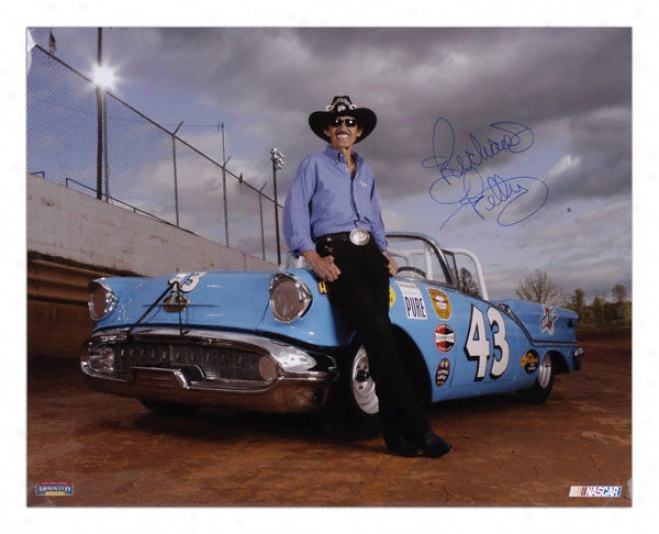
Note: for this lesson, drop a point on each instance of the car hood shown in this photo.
(228, 299)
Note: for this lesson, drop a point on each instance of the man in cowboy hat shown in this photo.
(332, 218)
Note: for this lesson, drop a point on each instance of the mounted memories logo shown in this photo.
(54, 489)
(596, 491)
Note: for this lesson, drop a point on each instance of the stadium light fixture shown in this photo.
(104, 76)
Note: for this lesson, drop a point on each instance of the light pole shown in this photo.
(100, 97)
(277, 159)
(261, 218)
(224, 190)
(175, 171)
(104, 78)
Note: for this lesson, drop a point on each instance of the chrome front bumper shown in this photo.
(208, 369)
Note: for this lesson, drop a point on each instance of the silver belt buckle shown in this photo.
(359, 237)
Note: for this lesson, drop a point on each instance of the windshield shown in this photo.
(418, 257)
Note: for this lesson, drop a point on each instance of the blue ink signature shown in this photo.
(461, 183)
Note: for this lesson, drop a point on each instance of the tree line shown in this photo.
(538, 287)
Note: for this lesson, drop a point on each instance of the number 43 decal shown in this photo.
(485, 341)
(187, 281)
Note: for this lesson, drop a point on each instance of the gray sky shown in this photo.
(567, 89)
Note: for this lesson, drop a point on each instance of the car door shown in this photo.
(489, 348)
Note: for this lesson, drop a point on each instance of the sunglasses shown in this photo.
(350, 123)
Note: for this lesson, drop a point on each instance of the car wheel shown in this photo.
(362, 384)
(541, 388)
(169, 408)
(352, 408)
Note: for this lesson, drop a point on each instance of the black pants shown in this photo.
(362, 292)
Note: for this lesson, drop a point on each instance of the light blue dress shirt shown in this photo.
(325, 199)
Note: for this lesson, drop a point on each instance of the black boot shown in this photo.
(402, 446)
(434, 446)
(430, 445)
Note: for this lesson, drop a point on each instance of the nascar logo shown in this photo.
(596, 491)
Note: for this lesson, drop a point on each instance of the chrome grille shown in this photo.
(223, 363)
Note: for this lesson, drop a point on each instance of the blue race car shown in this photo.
(272, 342)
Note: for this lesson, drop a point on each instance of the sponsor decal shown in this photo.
(443, 372)
(322, 287)
(596, 491)
(440, 303)
(415, 306)
(530, 362)
(54, 489)
(444, 337)
(548, 320)
(392, 297)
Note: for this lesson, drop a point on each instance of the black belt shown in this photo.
(357, 237)
(341, 237)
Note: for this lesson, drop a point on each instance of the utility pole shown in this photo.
(277, 159)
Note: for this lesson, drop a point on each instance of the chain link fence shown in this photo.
(137, 163)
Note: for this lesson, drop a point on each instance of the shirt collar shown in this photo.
(336, 155)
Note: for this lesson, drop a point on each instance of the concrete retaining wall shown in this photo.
(68, 224)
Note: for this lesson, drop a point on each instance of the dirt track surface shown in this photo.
(116, 453)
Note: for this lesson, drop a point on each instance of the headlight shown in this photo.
(290, 298)
(101, 358)
(101, 300)
(294, 360)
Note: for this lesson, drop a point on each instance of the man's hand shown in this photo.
(392, 265)
(325, 267)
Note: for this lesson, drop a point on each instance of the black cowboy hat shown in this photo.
(342, 105)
